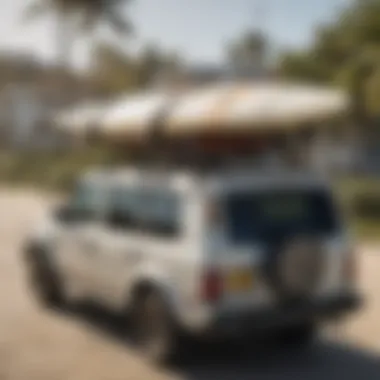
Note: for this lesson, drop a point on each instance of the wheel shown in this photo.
(153, 328)
(299, 335)
(45, 281)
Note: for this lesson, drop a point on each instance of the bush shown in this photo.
(54, 170)
(360, 199)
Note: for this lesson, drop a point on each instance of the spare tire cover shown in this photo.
(297, 268)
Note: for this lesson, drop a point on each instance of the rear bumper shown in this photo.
(267, 319)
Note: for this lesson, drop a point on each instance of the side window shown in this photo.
(149, 211)
(160, 213)
(123, 208)
(86, 201)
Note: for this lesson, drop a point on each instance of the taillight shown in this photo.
(212, 286)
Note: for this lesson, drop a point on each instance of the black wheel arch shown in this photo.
(37, 253)
(34, 250)
(145, 287)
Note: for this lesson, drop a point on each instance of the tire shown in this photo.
(45, 282)
(154, 331)
(300, 335)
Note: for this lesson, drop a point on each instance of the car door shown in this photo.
(118, 244)
(76, 245)
(166, 244)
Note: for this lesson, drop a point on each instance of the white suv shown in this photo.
(220, 254)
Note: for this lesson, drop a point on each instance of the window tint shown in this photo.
(160, 212)
(123, 208)
(152, 211)
(279, 214)
(86, 201)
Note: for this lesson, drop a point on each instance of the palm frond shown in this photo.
(91, 13)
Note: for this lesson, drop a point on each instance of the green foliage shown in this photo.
(302, 66)
(53, 170)
(116, 72)
(360, 200)
(76, 17)
(87, 13)
(345, 52)
(113, 70)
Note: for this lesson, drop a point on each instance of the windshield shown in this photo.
(265, 216)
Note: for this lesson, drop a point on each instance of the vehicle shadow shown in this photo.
(323, 360)
(327, 360)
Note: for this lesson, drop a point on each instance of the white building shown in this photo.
(25, 118)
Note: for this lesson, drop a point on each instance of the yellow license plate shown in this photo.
(240, 280)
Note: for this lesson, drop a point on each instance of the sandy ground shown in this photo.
(36, 344)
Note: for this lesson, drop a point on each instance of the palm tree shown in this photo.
(79, 16)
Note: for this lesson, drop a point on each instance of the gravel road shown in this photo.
(36, 344)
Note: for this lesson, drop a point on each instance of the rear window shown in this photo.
(264, 216)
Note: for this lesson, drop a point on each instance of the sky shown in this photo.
(199, 30)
